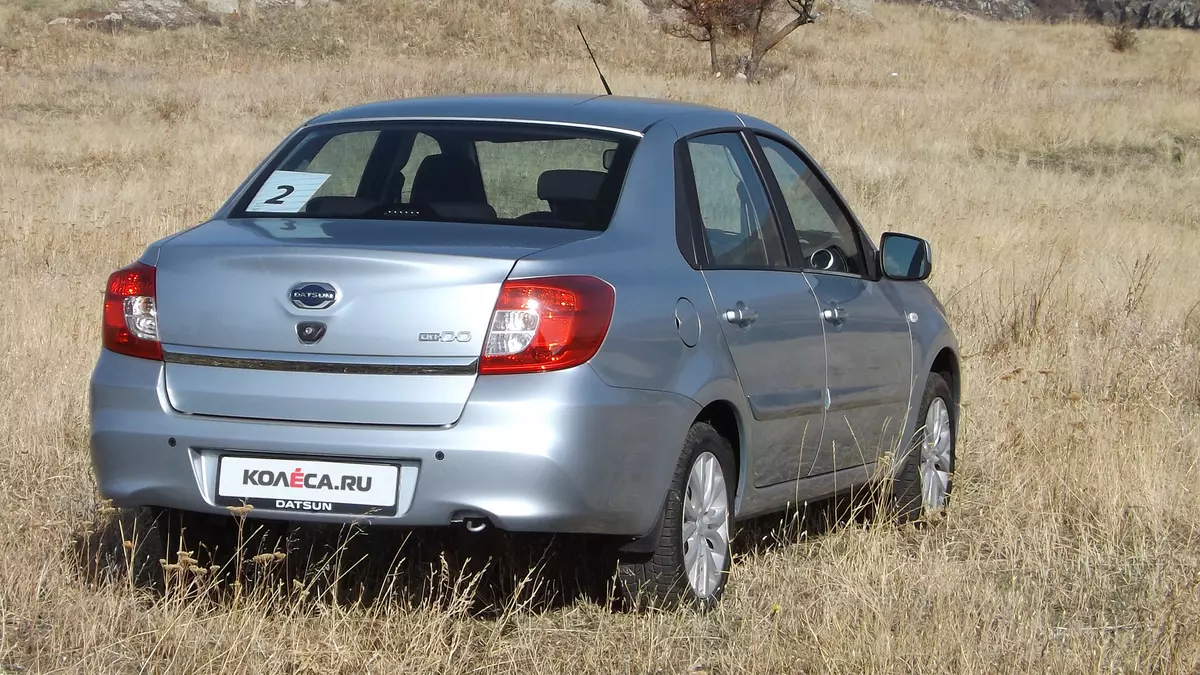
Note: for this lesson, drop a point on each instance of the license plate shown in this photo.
(310, 486)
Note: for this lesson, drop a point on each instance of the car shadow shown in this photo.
(478, 574)
(218, 557)
(766, 534)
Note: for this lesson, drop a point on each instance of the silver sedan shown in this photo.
(566, 314)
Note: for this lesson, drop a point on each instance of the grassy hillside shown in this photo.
(1056, 180)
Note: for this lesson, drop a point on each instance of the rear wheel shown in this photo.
(137, 544)
(691, 563)
(923, 485)
(133, 545)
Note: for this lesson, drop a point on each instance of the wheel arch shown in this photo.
(723, 416)
(946, 364)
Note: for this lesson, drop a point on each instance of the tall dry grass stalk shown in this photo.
(1056, 179)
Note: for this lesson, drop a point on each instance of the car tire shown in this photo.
(930, 456)
(139, 544)
(661, 579)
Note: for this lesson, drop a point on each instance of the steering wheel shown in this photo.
(829, 259)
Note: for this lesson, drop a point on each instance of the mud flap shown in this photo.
(647, 543)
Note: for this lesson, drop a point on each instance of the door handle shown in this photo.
(835, 314)
(742, 316)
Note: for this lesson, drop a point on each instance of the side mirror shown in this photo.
(904, 257)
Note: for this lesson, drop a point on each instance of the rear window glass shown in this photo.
(508, 173)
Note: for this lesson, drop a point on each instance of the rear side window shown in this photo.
(344, 158)
(739, 227)
(508, 173)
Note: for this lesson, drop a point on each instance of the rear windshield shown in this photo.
(509, 173)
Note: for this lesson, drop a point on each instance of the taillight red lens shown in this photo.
(130, 315)
(547, 323)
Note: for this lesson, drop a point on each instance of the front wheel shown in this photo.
(922, 486)
(691, 563)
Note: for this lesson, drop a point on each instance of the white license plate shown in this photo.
(306, 485)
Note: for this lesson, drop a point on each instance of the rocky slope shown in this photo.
(1147, 13)
(1139, 13)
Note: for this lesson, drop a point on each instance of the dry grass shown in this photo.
(1056, 179)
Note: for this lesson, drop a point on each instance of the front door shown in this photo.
(868, 345)
(768, 315)
(870, 363)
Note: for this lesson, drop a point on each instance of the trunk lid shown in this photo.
(409, 311)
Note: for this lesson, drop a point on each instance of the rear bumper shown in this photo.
(551, 452)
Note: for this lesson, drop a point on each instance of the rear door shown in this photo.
(767, 314)
(868, 343)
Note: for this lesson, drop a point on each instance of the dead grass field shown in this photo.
(1059, 183)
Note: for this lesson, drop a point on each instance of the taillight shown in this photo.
(130, 317)
(547, 323)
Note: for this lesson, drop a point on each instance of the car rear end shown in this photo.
(348, 341)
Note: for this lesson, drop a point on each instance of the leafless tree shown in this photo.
(696, 22)
(760, 25)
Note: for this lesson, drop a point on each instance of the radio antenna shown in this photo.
(589, 50)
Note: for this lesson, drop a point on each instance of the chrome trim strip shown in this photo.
(505, 120)
(342, 368)
(351, 359)
(766, 407)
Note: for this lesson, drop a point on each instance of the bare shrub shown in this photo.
(1122, 37)
(170, 110)
(754, 26)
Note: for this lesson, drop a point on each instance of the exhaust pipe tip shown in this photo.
(475, 525)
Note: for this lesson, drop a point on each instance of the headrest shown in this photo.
(573, 184)
(441, 178)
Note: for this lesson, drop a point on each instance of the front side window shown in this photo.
(473, 172)
(826, 236)
(735, 213)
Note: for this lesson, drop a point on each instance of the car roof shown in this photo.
(615, 112)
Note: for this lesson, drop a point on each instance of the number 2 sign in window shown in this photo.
(286, 192)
